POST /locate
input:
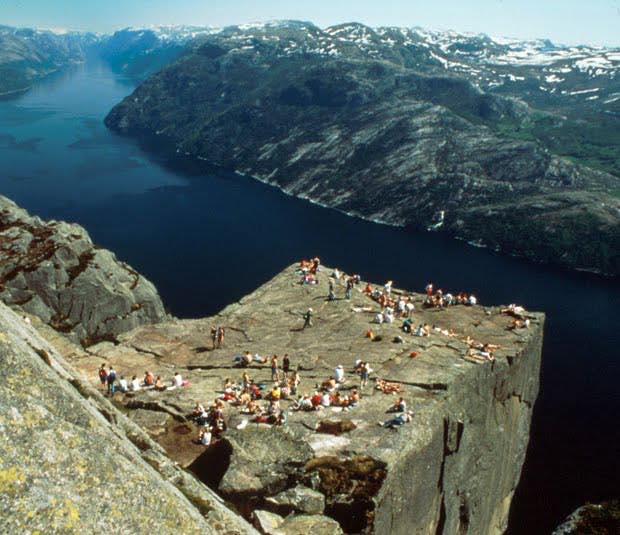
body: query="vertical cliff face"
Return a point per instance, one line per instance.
(52, 269)
(464, 479)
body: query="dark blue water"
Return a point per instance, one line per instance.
(206, 240)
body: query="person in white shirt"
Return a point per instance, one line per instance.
(178, 380)
(135, 384)
(339, 373)
(122, 384)
(205, 436)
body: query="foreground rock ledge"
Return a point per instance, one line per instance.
(454, 469)
(72, 463)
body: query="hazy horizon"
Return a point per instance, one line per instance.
(570, 22)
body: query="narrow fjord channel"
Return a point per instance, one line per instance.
(205, 240)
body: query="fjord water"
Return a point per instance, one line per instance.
(206, 239)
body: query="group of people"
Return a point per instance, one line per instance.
(328, 393)
(112, 382)
(437, 299)
(217, 337)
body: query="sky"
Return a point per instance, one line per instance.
(563, 21)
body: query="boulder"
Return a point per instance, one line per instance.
(266, 522)
(299, 499)
(314, 524)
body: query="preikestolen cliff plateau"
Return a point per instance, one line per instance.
(318, 268)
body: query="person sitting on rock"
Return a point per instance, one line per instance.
(205, 436)
(253, 407)
(316, 399)
(134, 386)
(198, 410)
(339, 374)
(103, 376)
(406, 326)
(275, 394)
(329, 385)
(368, 289)
(397, 421)
(159, 384)
(419, 331)
(399, 406)
(122, 384)
(326, 399)
(354, 398)
(242, 361)
(304, 403)
(178, 381)
(149, 379)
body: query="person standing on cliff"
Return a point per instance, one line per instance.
(331, 296)
(220, 337)
(103, 376)
(349, 289)
(274, 368)
(111, 379)
(364, 374)
(213, 336)
(286, 365)
(308, 318)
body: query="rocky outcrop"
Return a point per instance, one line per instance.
(601, 519)
(453, 469)
(380, 139)
(52, 269)
(72, 463)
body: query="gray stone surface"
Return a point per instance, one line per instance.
(267, 522)
(306, 524)
(72, 463)
(453, 468)
(52, 269)
(299, 499)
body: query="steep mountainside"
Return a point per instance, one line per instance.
(350, 118)
(27, 55)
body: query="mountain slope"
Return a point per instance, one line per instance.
(27, 55)
(361, 126)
